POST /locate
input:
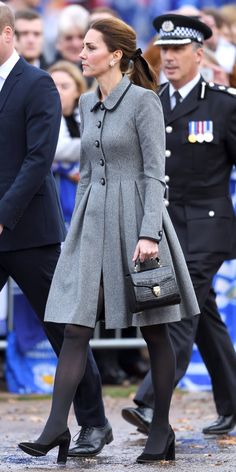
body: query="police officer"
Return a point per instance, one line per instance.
(200, 123)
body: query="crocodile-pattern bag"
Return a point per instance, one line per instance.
(151, 285)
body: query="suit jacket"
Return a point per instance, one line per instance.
(30, 114)
(199, 172)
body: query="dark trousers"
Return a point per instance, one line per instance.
(212, 338)
(33, 269)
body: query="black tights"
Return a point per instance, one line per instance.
(162, 360)
(69, 373)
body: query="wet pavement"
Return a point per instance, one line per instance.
(23, 419)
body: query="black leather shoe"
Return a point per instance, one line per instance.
(91, 440)
(222, 425)
(140, 417)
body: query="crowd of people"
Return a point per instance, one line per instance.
(124, 143)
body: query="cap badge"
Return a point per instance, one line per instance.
(167, 26)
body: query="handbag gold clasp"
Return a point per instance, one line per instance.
(156, 290)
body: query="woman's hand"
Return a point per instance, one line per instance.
(145, 249)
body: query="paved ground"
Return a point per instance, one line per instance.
(22, 420)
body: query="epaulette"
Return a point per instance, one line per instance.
(221, 88)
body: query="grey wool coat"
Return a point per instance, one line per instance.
(119, 199)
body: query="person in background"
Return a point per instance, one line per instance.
(211, 70)
(29, 37)
(70, 84)
(119, 216)
(229, 13)
(223, 48)
(72, 26)
(200, 123)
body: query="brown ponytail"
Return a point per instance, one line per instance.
(118, 35)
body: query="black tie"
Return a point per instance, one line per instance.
(178, 97)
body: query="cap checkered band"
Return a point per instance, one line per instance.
(160, 42)
(182, 32)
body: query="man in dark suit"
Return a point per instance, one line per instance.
(31, 222)
(200, 121)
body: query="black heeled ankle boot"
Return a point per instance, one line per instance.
(37, 449)
(167, 455)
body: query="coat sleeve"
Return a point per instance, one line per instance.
(85, 166)
(42, 122)
(151, 132)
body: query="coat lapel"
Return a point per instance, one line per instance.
(11, 80)
(189, 104)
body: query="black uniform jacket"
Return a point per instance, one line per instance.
(30, 115)
(200, 154)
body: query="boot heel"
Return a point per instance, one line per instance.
(109, 437)
(170, 455)
(63, 452)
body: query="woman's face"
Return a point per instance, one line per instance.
(67, 89)
(95, 55)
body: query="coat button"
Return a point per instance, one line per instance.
(101, 162)
(99, 124)
(211, 213)
(169, 129)
(97, 143)
(168, 153)
(102, 107)
(102, 181)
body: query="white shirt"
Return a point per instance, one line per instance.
(7, 67)
(184, 91)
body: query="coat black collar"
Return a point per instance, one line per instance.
(114, 98)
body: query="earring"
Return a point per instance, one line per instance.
(112, 63)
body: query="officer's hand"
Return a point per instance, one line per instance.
(1, 229)
(145, 250)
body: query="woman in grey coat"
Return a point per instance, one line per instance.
(119, 216)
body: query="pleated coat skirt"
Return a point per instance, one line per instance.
(120, 198)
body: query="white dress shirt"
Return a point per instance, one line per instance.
(184, 91)
(7, 67)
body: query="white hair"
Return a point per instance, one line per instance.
(73, 16)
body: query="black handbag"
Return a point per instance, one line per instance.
(151, 285)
